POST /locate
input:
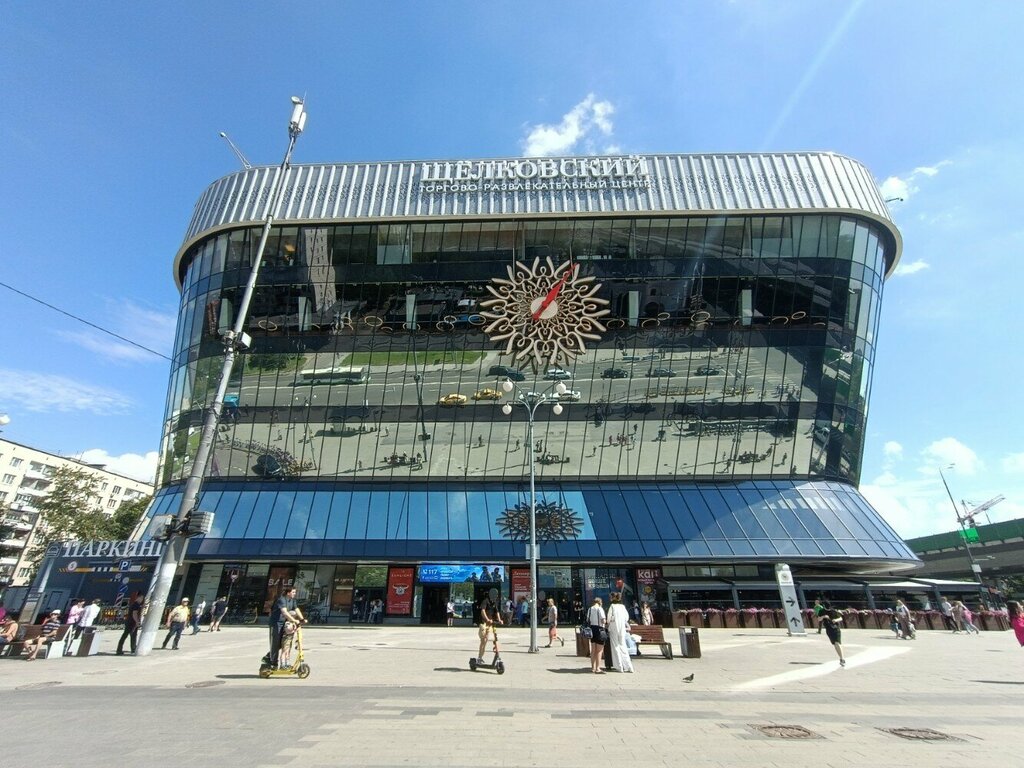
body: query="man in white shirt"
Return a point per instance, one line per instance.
(90, 614)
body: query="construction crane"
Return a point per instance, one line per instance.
(969, 515)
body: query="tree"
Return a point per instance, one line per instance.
(71, 512)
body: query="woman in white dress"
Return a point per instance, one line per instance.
(618, 628)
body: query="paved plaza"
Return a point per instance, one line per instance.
(405, 696)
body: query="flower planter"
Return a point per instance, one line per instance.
(732, 620)
(780, 619)
(695, 618)
(715, 620)
(748, 620)
(851, 620)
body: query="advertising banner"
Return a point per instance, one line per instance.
(399, 600)
(457, 573)
(646, 581)
(520, 584)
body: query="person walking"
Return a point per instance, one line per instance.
(553, 623)
(449, 612)
(176, 621)
(597, 621)
(965, 617)
(218, 611)
(618, 629)
(947, 615)
(903, 617)
(75, 612)
(132, 622)
(646, 615)
(1016, 616)
(197, 614)
(830, 621)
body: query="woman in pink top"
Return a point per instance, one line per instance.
(1013, 610)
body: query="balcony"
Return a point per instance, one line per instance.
(8, 562)
(13, 543)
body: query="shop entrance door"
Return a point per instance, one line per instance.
(435, 599)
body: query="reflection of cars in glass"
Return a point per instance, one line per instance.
(570, 396)
(268, 466)
(822, 432)
(556, 374)
(453, 399)
(615, 373)
(654, 372)
(509, 373)
(708, 370)
(487, 394)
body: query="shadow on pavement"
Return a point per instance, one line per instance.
(572, 671)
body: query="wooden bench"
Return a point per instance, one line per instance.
(27, 634)
(651, 634)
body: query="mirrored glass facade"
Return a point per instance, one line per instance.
(721, 415)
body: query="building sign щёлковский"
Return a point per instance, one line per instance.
(535, 174)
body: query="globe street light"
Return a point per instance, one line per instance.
(531, 401)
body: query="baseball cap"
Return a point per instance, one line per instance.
(55, 613)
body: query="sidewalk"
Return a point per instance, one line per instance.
(383, 696)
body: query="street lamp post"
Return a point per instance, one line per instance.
(185, 521)
(975, 568)
(531, 401)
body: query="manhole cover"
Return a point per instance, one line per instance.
(919, 734)
(786, 731)
(34, 686)
(205, 684)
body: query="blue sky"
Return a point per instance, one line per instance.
(110, 133)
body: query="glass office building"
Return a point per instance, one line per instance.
(715, 429)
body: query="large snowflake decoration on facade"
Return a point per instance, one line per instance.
(544, 314)
(554, 522)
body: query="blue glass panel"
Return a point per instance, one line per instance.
(763, 546)
(709, 529)
(567, 549)
(377, 516)
(436, 547)
(574, 501)
(320, 507)
(825, 514)
(786, 546)
(740, 506)
(287, 548)
(720, 547)
(299, 519)
(830, 546)
(675, 548)
(760, 510)
(240, 517)
(337, 523)
(873, 548)
(723, 514)
(358, 513)
(789, 521)
(742, 547)
(437, 516)
(263, 504)
(636, 507)
(869, 518)
(477, 512)
(633, 548)
(418, 517)
(277, 521)
(679, 514)
(458, 515)
(398, 515)
(808, 547)
(852, 547)
(610, 548)
(662, 519)
(589, 549)
(212, 501)
(805, 515)
(599, 517)
(312, 548)
(698, 548)
(619, 515)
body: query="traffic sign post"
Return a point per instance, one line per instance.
(790, 603)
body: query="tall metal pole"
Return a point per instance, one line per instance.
(177, 542)
(533, 531)
(975, 568)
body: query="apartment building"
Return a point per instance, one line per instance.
(26, 476)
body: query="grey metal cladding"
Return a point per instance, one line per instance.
(712, 183)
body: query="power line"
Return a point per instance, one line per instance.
(81, 320)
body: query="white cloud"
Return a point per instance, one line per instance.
(145, 327)
(43, 393)
(911, 267)
(906, 186)
(577, 128)
(1013, 463)
(910, 508)
(893, 450)
(942, 453)
(130, 464)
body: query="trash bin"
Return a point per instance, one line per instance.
(582, 645)
(89, 643)
(689, 642)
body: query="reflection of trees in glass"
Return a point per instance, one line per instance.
(266, 361)
(554, 522)
(371, 576)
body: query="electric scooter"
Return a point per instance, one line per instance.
(299, 668)
(496, 663)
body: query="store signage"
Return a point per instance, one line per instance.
(520, 584)
(535, 174)
(450, 573)
(114, 549)
(400, 591)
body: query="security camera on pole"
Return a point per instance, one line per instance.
(189, 521)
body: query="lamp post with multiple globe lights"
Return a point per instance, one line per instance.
(530, 402)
